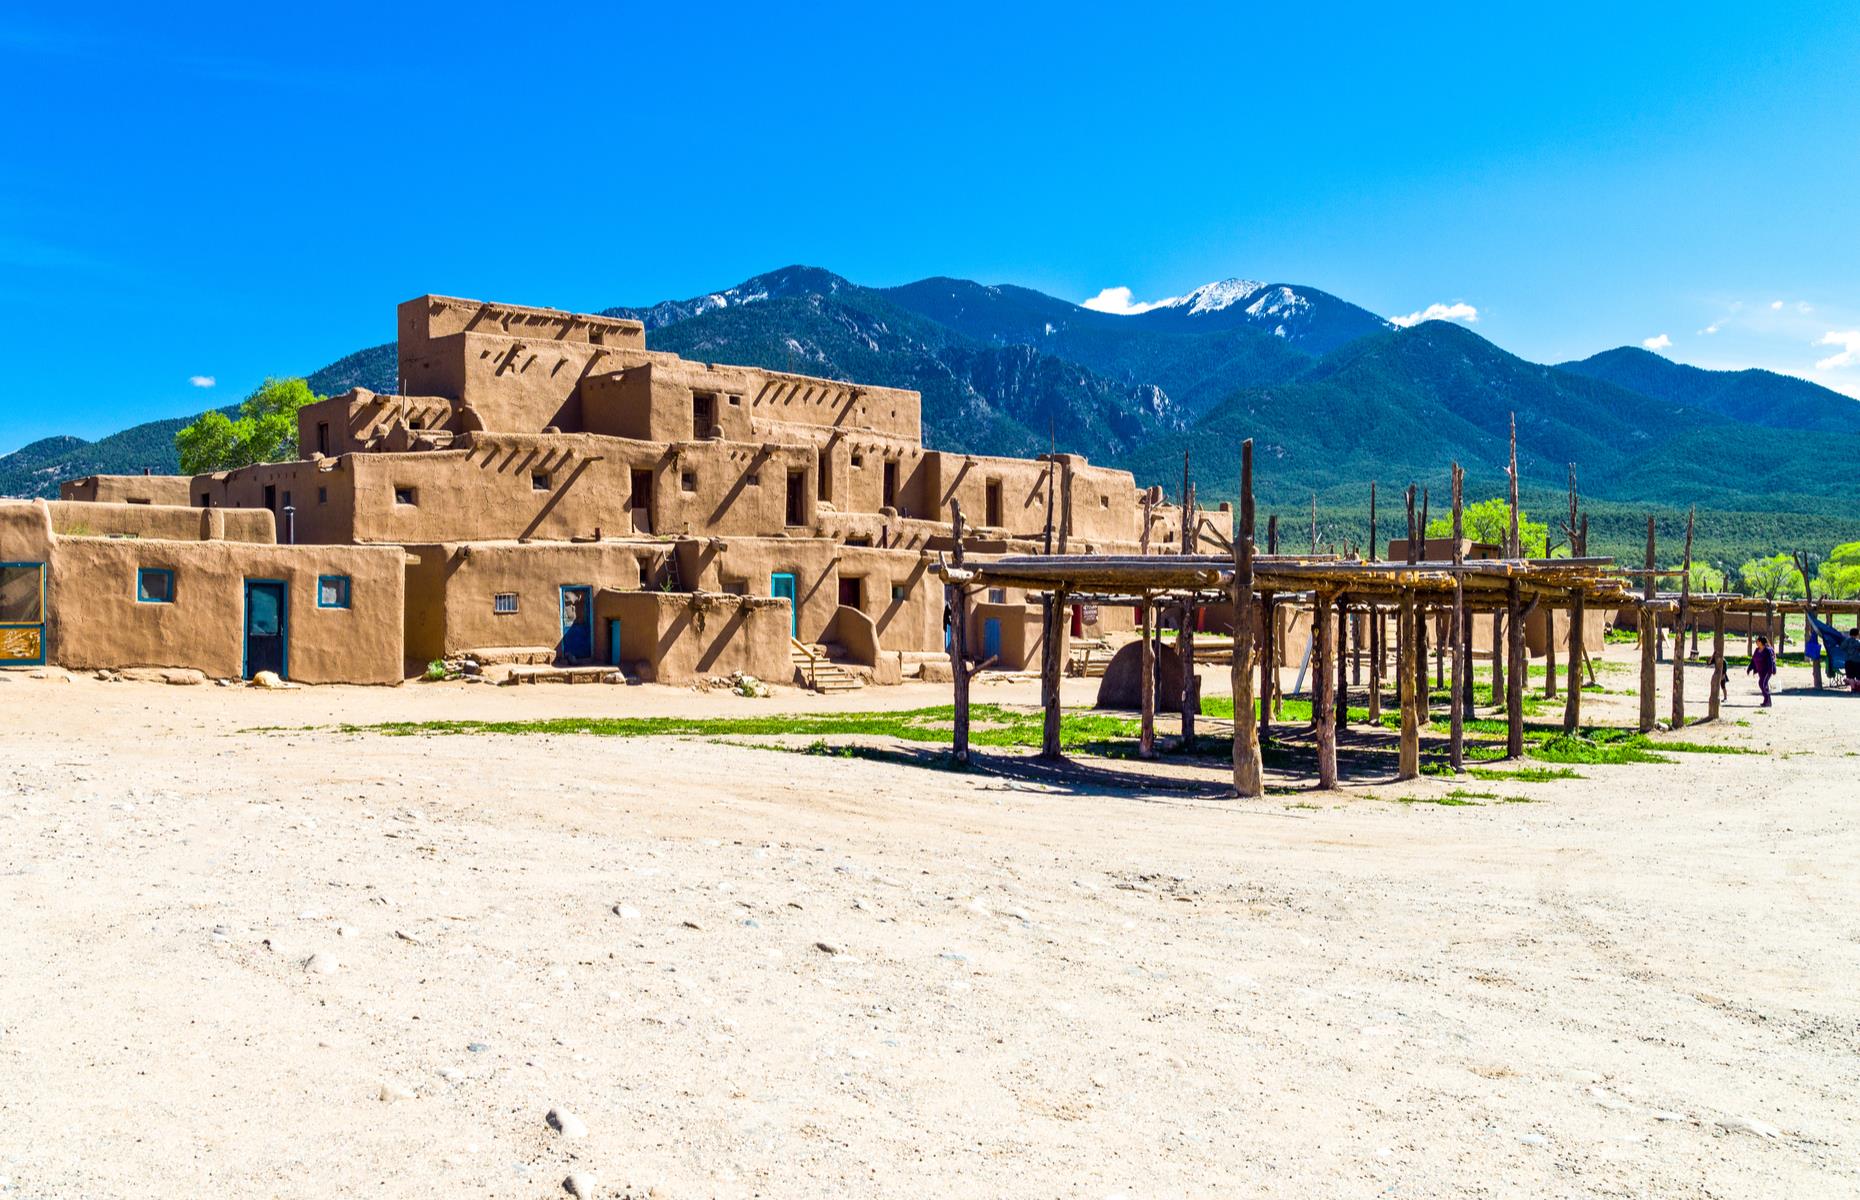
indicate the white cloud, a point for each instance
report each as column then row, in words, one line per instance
column 1804, row 307
column 1776, row 304
column 1457, row 311
column 1712, row 328
column 202, row 381
column 1660, row 342
column 1119, row 300
column 1848, row 341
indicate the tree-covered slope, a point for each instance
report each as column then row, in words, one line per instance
column 1753, row 396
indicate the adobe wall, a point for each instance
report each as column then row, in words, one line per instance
column 25, row 531
column 451, row 590
column 320, row 492
column 424, row 318
column 358, row 419
column 1022, row 635
column 687, row 636
column 97, row 621
column 76, row 518
column 126, row 489
column 671, row 399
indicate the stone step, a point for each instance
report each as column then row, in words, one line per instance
column 535, row 674
column 512, row 655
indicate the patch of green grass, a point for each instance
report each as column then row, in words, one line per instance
column 1522, row 774
column 1575, row 748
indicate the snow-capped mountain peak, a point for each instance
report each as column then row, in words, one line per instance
column 1213, row 297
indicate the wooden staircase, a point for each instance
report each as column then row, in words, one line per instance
column 1090, row 658
column 815, row 670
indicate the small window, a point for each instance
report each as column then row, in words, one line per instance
column 155, row 585
column 332, row 591
column 504, row 602
column 406, row 495
column 322, row 437
column 736, row 400
column 736, row 587
column 898, row 591
column 322, row 495
column 133, row 500
column 1104, row 502
column 688, row 480
column 206, row 500
column 997, row 595
column 858, row 460
column 753, row 480
column 539, row 481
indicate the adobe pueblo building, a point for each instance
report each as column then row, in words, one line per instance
column 547, row 490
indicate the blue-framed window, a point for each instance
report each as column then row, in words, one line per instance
column 332, row 591
column 154, row 585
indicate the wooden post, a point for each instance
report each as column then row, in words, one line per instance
column 1314, row 522
column 1408, row 761
column 1268, row 662
column 956, row 600
column 1717, row 661
column 1520, row 670
column 1417, row 658
column 1456, row 736
column 1052, row 619
column 1498, row 655
column 1649, row 640
column 1146, row 742
column 1185, row 640
column 1321, row 684
column 1343, row 663
column 1679, row 627
column 1572, row 703
column 1248, row 778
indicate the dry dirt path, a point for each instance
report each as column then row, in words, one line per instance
column 754, row 973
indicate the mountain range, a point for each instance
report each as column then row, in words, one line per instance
column 1333, row 394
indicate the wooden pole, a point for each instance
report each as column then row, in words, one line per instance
column 956, row 600
column 1717, row 662
column 1679, row 627
column 1649, row 643
column 1417, row 659
column 1514, row 548
column 1321, row 699
column 1498, row 655
column 1146, row 743
column 1268, row 662
column 1314, row 522
column 1373, row 618
column 1572, row 703
column 1343, row 664
column 1456, row 736
column 1408, row 761
column 1185, row 640
column 1052, row 619
column 1248, row 778
column 1808, row 601
column 1520, row 670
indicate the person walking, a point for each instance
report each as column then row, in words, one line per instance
column 1763, row 666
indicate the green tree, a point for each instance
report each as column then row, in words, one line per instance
column 1838, row 578
column 1490, row 521
column 1773, row 577
column 1705, row 577
column 264, row 431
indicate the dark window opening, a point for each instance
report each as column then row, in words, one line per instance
column 406, row 495
column 322, row 495
column 797, row 498
column 992, row 503
column 997, row 595
column 132, row 500
column 322, row 437
column 642, row 489
column 858, row 460
column 891, row 484
column 898, row 591
column 155, row 585
column 271, row 496
column 206, row 500
column 332, row 591
column 703, row 414
column 539, row 481
column 859, row 539
column 852, row 591
column 688, row 480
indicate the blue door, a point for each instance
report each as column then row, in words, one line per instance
column 991, row 638
column 577, row 624
column 613, row 641
column 22, row 614
column 267, row 627
column 781, row 586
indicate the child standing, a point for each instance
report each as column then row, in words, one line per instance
column 1763, row 665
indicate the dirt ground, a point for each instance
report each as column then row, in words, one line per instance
column 312, row 964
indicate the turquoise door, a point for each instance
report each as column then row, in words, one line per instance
column 577, row 624
column 781, row 586
column 613, row 641
column 267, row 627
column 991, row 638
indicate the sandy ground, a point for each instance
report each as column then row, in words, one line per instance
column 755, row 973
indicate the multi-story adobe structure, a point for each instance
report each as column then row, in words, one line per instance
column 559, row 491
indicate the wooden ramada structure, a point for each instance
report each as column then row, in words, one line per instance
column 1415, row 593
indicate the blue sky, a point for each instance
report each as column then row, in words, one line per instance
column 192, row 193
